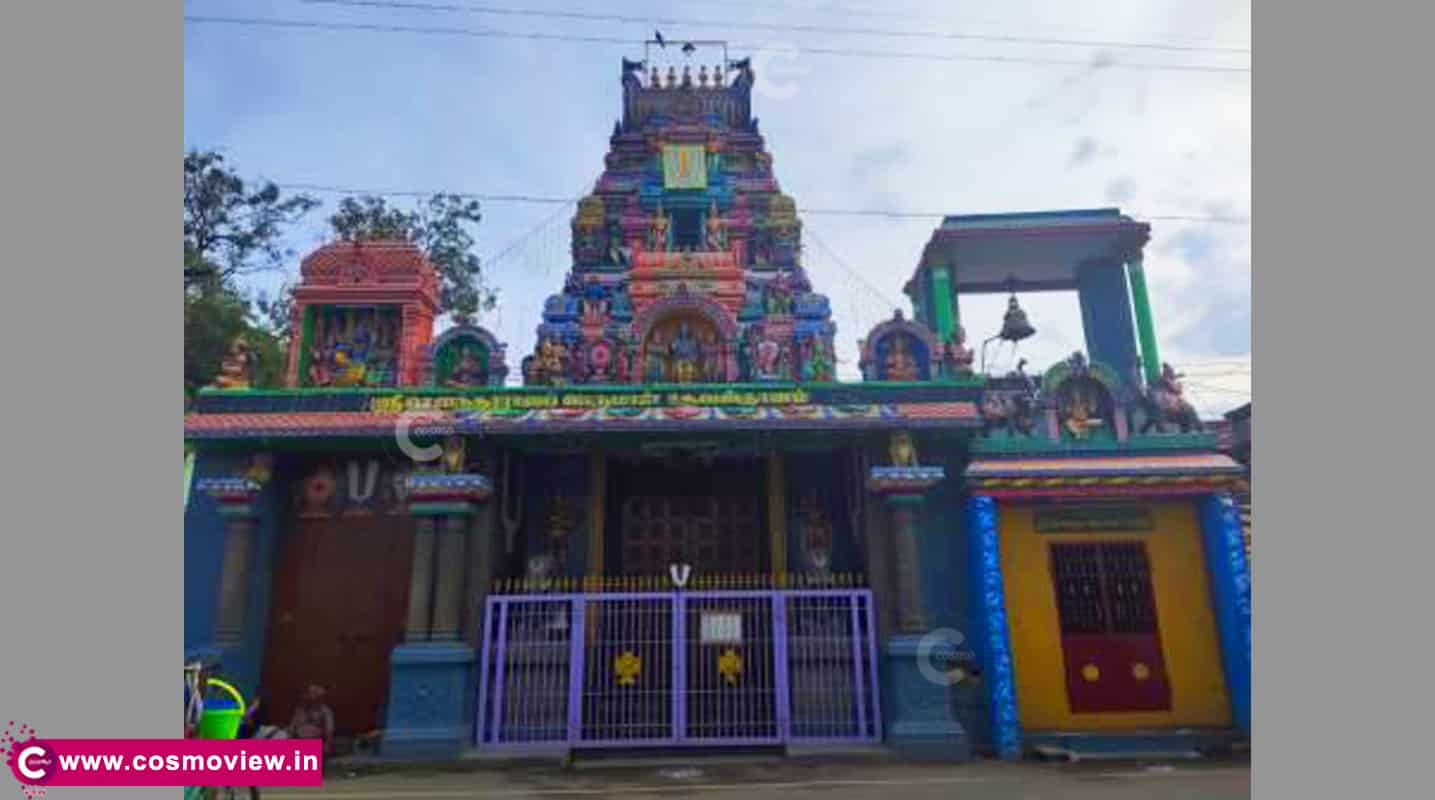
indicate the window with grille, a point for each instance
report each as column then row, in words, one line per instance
column 1103, row 587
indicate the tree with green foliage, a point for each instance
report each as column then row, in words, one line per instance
column 441, row 226
column 231, row 228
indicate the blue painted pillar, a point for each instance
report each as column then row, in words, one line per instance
column 431, row 699
column 990, row 589
column 1106, row 314
column 1230, row 597
column 918, row 709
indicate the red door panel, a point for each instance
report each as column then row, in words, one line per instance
column 1109, row 638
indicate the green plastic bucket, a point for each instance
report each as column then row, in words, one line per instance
column 221, row 718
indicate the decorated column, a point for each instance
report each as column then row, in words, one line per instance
column 990, row 611
column 431, row 682
column 236, row 498
column 1145, row 327
column 919, row 712
column 1231, row 597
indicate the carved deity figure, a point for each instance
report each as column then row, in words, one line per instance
column 654, row 364
column 779, row 294
column 686, row 355
column 900, row 364
column 816, row 364
column 236, row 371
column 552, row 361
column 600, row 360
column 957, row 355
column 711, row 358
column 1081, row 415
column 351, row 359
column 618, row 252
column 1164, row 403
column 658, row 230
column 902, row 450
column 716, row 234
column 595, row 303
column 768, row 353
column 468, row 371
column 455, row 455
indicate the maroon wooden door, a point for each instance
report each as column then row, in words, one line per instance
column 1109, row 637
column 340, row 599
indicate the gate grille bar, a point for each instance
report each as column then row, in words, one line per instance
column 689, row 668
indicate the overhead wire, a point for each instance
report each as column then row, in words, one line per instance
column 550, row 199
column 1106, row 62
column 479, row 9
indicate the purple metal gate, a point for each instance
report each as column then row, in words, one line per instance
column 690, row 668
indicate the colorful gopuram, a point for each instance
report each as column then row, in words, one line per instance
column 670, row 526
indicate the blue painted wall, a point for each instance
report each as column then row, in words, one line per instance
column 1106, row 315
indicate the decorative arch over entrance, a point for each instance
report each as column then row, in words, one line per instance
column 685, row 338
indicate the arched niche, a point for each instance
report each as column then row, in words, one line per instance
column 685, row 338
column 898, row 350
column 467, row 356
column 1083, row 395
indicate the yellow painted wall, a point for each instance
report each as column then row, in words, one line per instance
column 1183, row 609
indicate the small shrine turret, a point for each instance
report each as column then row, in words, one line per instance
column 363, row 315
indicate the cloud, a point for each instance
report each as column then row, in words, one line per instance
column 874, row 161
column 1120, row 190
column 1193, row 245
column 1086, row 149
column 1222, row 328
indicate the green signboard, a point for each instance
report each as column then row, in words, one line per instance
column 522, row 401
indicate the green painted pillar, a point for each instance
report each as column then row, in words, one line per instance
column 944, row 304
column 1145, row 327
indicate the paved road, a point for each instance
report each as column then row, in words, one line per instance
column 791, row 780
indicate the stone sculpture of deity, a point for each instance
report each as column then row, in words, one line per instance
column 716, row 234
column 900, row 365
column 468, row 371
column 658, row 230
column 768, row 353
column 686, row 355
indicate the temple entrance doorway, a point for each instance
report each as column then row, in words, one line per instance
column 708, row 513
column 340, row 596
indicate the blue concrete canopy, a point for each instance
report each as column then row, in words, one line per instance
column 1029, row 251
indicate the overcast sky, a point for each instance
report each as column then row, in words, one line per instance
column 500, row 115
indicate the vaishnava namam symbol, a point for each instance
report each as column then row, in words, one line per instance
column 627, row 667
column 729, row 666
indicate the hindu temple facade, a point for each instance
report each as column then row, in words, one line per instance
column 680, row 530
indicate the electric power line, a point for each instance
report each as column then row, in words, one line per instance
column 486, row 33
column 554, row 200
column 829, row 8
column 473, row 8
